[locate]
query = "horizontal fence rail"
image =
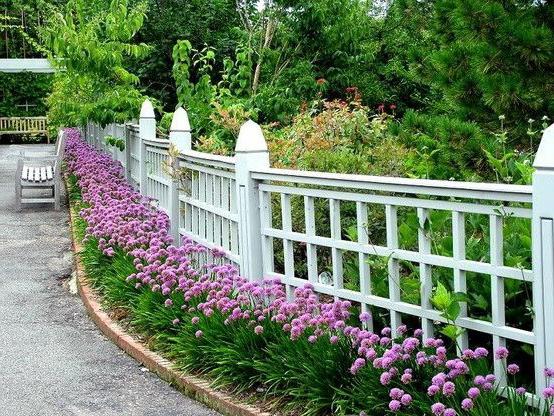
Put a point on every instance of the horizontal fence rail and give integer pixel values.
(367, 239)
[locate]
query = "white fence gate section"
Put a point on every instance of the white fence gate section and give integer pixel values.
(227, 202)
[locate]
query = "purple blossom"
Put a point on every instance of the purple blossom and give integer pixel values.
(406, 378)
(438, 409)
(396, 393)
(501, 353)
(365, 317)
(395, 405)
(357, 365)
(513, 369)
(479, 380)
(448, 389)
(433, 389)
(548, 392)
(481, 352)
(385, 378)
(467, 404)
(521, 391)
(488, 387)
(473, 392)
(406, 399)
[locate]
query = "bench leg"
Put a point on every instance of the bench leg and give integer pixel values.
(18, 196)
(18, 187)
(57, 196)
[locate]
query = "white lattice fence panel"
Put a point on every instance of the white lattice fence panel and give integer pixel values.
(158, 179)
(208, 204)
(371, 260)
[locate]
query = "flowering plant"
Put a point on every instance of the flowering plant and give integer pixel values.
(308, 352)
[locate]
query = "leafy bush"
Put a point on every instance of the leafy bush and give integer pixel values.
(22, 88)
(91, 43)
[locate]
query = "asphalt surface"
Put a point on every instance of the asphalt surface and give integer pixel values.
(53, 359)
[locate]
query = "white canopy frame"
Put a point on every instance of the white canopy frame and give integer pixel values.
(39, 65)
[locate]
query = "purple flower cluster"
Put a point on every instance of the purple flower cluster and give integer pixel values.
(120, 218)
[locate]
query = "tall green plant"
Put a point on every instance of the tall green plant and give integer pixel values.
(91, 43)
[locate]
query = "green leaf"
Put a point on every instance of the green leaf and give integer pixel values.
(451, 331)
(441, 298)
(452, 311)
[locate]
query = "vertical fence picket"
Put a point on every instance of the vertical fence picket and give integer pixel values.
(234, 227)
(226, 205)
(363, 258)
(497, 292)
(217, 204)
(288, 248)
(267, 243)
(336, 254)
(128, 160)
(311, 249)
(393, 266)
(424, 243)
(459, 254)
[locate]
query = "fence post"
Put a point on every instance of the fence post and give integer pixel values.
(127, 156)
(147, 131)
(181, 141)
(543, 256)
(251, 154)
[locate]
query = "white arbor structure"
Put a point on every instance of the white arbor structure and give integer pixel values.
(39, 65)
(227, 202)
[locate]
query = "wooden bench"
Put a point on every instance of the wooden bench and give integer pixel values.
(40, 171)
(23, 125)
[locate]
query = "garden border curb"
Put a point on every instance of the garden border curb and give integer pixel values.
(192, 386)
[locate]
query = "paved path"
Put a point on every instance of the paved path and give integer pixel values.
(53, 360)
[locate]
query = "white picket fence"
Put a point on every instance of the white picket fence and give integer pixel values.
(226, 202)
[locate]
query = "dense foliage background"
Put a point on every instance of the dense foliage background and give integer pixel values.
(19, 90)
(451, 89)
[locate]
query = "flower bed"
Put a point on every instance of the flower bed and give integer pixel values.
(304, 355)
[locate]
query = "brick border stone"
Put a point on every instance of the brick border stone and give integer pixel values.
(193, 386)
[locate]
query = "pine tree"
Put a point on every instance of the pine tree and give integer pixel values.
(495, 57)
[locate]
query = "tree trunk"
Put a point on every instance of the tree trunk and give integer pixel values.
(269, 31)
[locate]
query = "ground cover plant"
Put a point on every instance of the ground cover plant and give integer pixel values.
(306, 355)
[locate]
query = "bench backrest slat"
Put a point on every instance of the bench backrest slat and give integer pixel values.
(22, 125)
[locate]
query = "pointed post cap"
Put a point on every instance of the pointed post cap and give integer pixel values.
(251, 138)
(180, 121)
(147, 110)
(545, 155)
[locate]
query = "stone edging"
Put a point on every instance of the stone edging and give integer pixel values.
(194, 387)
